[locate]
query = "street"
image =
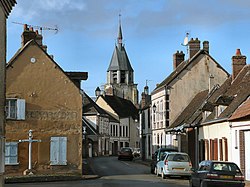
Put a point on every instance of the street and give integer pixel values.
(115, 173)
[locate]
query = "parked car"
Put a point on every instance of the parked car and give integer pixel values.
(217, 173)
(125, 153)
(174, 164)
(157, 155)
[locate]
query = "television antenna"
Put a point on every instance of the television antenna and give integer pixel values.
(41, 28)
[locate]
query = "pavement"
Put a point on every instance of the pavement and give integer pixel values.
(88, 174)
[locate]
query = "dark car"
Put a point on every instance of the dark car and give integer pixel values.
(217, 173)
(157, 155)
(125, 153)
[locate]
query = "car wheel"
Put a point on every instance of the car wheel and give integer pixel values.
(203, 184)
(162, 175)
(119, 158)
(191, 183)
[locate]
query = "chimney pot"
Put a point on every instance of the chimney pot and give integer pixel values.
(238, 53)
(25, 27)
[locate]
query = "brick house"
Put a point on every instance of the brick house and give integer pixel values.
(41, 97)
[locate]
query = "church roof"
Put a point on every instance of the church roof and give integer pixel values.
(120, 60)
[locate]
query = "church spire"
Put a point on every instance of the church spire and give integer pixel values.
(119, 38)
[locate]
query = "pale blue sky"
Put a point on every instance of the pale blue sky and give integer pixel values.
(153, 31)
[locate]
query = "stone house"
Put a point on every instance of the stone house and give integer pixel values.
(126, 132)
(145, 125)
(97, 121)
(216, 122)
(189, 77)
(41, 97)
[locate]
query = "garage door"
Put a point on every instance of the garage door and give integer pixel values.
(247, 155)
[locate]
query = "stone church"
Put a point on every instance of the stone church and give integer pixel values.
(120, 74)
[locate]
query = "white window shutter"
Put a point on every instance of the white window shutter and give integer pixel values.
(21, 109)
(58, 151)
(54, 150)
(63, 150)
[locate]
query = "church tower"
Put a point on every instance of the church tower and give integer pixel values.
(120, 74)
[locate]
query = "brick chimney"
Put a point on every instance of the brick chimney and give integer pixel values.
(29, 34)
(238, 62)
(194, 47)
(178, 57)
(206, 46)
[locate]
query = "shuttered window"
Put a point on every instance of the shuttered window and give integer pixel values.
(15, 109)
(58, 151)
(11, 150)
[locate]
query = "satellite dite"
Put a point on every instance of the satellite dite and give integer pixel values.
(186, 40)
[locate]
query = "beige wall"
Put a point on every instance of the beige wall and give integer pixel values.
(194, 81)
(53, 108)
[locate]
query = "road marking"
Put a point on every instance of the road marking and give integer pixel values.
(125, 163)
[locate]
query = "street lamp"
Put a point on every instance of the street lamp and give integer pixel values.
(154, 108)
(84, 137)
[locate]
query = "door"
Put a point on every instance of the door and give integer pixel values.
(247, 155)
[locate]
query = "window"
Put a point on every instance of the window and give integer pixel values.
(15, 109)
(58, 151)
(11, 150)
(123, 76)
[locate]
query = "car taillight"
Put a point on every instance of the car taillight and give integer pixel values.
(212, 176)
(190, 164)
(239, 177)
(166, 162)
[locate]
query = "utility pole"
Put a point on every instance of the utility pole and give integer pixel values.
(5, 8)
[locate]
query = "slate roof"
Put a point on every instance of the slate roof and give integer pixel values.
(7, 5)
(242, 112)
(91, 108)
(120, 60)
(183, 66)
(123, 107)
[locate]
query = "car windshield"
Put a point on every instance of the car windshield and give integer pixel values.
(178, 158)
(225, 167)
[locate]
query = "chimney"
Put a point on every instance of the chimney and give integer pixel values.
(178, 57)
(206, 46)
(238, 62)
(145, 97)
(28, 34)
(194, 47)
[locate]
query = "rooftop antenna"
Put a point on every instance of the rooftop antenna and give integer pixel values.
(41, 28)
(185, 42)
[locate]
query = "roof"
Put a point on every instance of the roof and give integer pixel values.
(91, 108)
(77, 75)
(90, 129)
(184, 66)
(25, 47)
(242, 112)
(231, 94)
(123, 107)
(7, 5)
(120, 60)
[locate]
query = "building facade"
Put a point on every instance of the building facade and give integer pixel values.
(199, 72)
(41, 97)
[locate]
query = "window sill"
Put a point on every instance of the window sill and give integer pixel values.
(12, 164)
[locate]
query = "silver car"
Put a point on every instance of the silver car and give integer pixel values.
(174, 164)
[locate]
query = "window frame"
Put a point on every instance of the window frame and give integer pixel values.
(10, 154)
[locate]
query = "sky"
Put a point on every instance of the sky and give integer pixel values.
(153, 31)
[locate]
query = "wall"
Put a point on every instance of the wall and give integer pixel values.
(53, 108)
(194, 81)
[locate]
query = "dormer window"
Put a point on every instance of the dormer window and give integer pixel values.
(206, 114)
(220, 109)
